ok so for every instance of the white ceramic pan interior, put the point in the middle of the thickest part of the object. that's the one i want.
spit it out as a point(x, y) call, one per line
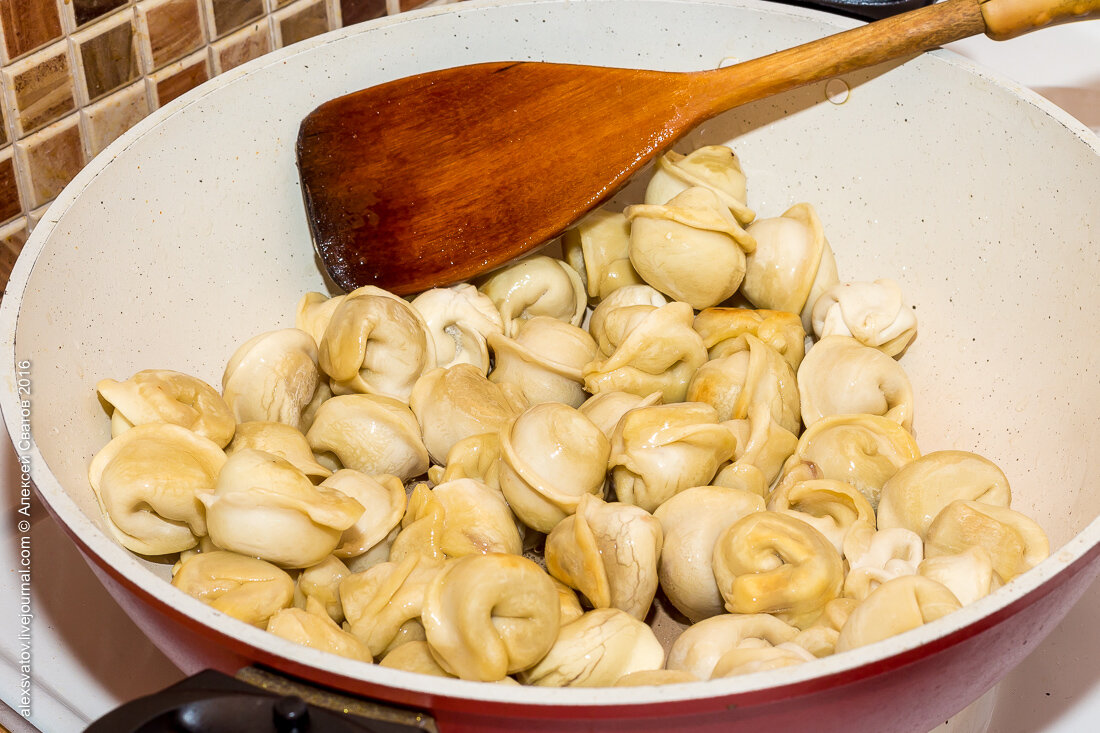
point(187, 237)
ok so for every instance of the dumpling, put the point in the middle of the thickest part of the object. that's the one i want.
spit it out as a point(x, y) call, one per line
point(833, 508)
point(264, 507)
point(873, 313)
point(759, 374)
point(544, 360)
point(861, 450)
point(703, 644)
point(162, 395)
point(725, 332)
point(550, 456)
point(476, 519)
point(371, 434)
point(459, 402)
point(658, 351)
point(792, 265)
point(280, 439)
point(968, 574)
point(459, 319)
point(691, 248)
point(596, 650)
point(383, 500)
point(760, 443)
point(768, 562)
point(489, 616)
point(919, 491)
point(536, 286)
point(383, 604)
point(421, 528)
point(246, 588)
point(605, 409)
point(148, 482)
point(746, 660)
point(476, 457)
point(598, 247)
point(375, 343)
point(1014, 541)
point(691, 522)
point(658, 451)
point(272, 376)
point(876, 557)
point(609, 552)
point(841, 376)
point(314, 312)
point(312, 627)
point(894, 607)
point(321, 583)
point(626, 299)
point(715, 167)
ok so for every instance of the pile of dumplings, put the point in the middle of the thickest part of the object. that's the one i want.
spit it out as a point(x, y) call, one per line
point(512, 480)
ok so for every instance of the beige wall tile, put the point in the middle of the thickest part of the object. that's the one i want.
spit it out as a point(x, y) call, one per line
point(111, 116)
point(246, 44)
point(40, 88)
point(50, 158)
point(171, 28)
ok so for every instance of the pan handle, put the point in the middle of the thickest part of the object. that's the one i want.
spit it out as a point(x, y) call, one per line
point(257, 701)
point(862, 9)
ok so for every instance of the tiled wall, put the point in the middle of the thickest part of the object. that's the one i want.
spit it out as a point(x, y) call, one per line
point(77, 73)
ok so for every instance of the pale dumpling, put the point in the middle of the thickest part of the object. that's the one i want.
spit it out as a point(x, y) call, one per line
point(321, 583)
point(841, 376)
point(148, 482)
point(871, 312)
point(725, 332)
point(875, 557)
point(605, 409)
point(536, 286)
point(768, 562)
point(313, 628)
point(691, 522)
point(598, 247)
point(246, 588)
point(370, 433)
point(476, 519)
point(832, 507)
point(544, 360)
point(489, 616)
point(272, 376)
point(280, 439)
point(792, 265)
point(715, 167)
point(383, 603)
point(657, 351)
point(698, 649)
point(596, 650)
point(476, 457)
point(162, 395)
point(1014, 541)
point(314, 312)
point(625, 299)
point(609, 552)
point(459, 402)
point(861, 450)
point(690, 248)
point(375, 343)
point(894, 607)
point(919, 491)
point(459, 320)
point(658, 451)
point(761, 442)
point(759, 374)
point(383, 500)
point(264, 507)
point(551, 455)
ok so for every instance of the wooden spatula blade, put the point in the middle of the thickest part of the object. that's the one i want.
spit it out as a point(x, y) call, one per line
point(370, 189)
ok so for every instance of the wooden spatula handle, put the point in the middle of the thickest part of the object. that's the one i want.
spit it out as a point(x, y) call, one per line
point(891, 38)
point(1006, 19)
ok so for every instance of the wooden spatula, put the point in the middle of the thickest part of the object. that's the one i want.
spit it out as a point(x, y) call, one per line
point(432, 179)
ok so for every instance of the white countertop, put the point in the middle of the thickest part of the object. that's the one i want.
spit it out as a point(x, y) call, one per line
point(88, 657)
